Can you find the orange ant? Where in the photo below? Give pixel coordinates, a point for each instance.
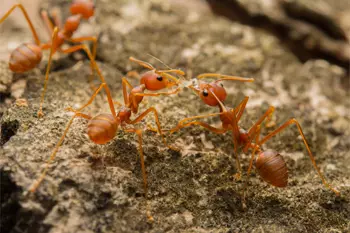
(269, 164)
(28, 55)
(102, 128)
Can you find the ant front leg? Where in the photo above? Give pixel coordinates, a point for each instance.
(181, 123)
(54, 37)
(20, 6)
(175, 91)
(312, 158)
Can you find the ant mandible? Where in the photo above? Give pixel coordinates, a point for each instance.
(28, 55)
(269, 164)
(102, 128)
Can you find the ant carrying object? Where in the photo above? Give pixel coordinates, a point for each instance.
(269, 164)
(102, 128)
(28, 55)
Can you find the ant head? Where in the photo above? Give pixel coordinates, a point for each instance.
(155, 81)
(85, 8)
(207, 90)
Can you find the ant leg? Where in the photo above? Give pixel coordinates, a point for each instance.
(224, 77)
(20, 6)
(238, 175)
(56, 16)
(133, 74)
(281, 128)
(142, 158)
(202, 124)
(94, 51)
(240, 108)
(126, 83)
(267, 115)
(36, 184)
(102, 85)
(93, 39)
(77, 112)
(181, 123)
(138, 132)
(45, 17)
(93, 63)
(256, 135)
(54, 36)
(175, 91)
(156, 117)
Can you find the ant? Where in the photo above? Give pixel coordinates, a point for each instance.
(102, 128)
(28, 55)
(269, 164)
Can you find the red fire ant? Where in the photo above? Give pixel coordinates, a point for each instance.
(102, 128)
(269, 164)
(28, 55)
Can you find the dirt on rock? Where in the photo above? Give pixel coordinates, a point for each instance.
(98, 188)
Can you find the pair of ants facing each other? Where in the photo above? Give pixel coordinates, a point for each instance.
(103, 127)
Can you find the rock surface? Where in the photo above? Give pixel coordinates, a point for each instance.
(93, 188)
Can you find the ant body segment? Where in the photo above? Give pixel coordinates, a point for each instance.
(269, 164)
(28, 55)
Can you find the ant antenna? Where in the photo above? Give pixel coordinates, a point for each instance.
(159, 61)
(178, 75)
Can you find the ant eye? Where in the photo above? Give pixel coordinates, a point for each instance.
(221, 84)
(160, 78)
(205, 93)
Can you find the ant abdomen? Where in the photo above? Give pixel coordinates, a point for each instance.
(25, 57)
(102, 128)
(272, 168)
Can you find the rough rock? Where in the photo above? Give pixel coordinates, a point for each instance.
(98, 188)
